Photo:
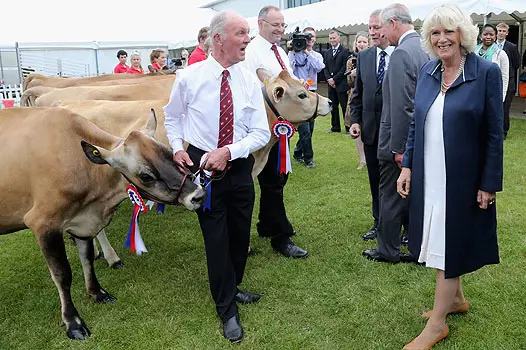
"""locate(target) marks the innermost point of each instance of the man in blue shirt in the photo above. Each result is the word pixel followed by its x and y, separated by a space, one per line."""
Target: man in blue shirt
pixel 306 65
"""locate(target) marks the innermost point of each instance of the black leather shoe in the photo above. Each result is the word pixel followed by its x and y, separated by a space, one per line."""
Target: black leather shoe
pixel 373 255
pixel 298 159
pixel 371 234
pixel 408 258
pixel 232 329
pixel 245 297
pixel 288 248
pixel 404 240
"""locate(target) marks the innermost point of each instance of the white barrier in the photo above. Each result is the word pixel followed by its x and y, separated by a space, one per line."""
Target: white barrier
pixel 10 93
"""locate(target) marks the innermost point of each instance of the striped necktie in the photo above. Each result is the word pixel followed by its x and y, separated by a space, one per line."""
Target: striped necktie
pixel 381 68
pixel 280 60
pixel 226 113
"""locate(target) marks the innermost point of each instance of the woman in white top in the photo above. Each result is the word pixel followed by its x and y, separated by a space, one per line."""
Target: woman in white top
pixel 489 50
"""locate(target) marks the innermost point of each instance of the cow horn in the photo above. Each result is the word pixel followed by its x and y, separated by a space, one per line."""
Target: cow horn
pixel 152 124
pixel 263 75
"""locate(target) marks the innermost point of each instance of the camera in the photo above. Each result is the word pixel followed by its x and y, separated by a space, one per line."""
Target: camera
pixel 299 40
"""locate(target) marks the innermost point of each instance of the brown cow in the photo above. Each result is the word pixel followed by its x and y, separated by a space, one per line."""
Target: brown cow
pixel 41 96
pixel 49 186
pixel 33 80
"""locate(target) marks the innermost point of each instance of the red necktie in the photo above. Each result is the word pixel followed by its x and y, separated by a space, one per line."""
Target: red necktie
pixel 226 113
pixel 281 63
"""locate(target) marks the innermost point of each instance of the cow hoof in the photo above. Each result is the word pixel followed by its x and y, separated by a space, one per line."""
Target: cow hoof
pixel 81 332
pixel 117 265
pixel 105 297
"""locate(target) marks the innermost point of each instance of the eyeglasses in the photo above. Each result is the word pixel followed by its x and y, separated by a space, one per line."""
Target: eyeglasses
pixel 277 25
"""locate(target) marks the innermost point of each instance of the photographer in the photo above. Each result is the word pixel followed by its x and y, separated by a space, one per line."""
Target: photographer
pixel 306 63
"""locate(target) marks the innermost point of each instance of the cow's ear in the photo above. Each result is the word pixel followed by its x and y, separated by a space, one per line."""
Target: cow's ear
pixel 263 75
pixel 152 124
pixel 278 93
pixel 96 155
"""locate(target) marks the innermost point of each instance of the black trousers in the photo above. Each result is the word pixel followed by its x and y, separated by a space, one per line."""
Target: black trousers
pixel 273 221
pixel 226 231
pixel 303 147
pixel 337 98
pixel 507 106
pixel 394 211
pixel 373 170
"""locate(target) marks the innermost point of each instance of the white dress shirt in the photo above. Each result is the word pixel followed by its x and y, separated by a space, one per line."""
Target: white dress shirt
pixel 260 55
pixel 389 51
pixel 192 114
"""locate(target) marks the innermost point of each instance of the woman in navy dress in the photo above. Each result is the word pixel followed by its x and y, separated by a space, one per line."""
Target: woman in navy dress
pixel 453 163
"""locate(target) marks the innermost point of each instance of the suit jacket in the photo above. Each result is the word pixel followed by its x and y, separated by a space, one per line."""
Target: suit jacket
pixel 398 93
pixel 366 100
pixel 335 67
pixel 515 60
pixel 472 134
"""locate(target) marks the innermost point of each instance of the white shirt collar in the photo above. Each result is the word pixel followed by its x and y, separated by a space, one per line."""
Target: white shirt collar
pixel 215 68
pixel 501 42
pixel 335 48
pixel 406 34
pixel 388 50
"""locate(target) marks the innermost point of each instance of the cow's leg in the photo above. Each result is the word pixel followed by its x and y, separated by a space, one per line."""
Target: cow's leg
pixel 109 253
pixel 96 253
pixel 52 246
pixel 92 284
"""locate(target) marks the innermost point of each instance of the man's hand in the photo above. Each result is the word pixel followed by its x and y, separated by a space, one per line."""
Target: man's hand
pixel 398 159
pixel 183 158
pixel 403 184
pixel 355 131
pixel 331 82
pixel 217 159
pixel 485 199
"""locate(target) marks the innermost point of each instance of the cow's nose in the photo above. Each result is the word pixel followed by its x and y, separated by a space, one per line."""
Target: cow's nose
pixel 199 197
pixel 330 103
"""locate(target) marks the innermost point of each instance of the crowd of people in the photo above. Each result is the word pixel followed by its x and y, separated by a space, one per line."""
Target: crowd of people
pixel 429 112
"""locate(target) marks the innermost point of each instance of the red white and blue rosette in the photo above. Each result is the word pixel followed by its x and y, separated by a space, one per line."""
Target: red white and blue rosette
pixel 134 240
pixel 283 130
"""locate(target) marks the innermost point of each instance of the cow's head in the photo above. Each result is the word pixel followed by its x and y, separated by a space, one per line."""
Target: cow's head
pixel 291 99
pixel 149 165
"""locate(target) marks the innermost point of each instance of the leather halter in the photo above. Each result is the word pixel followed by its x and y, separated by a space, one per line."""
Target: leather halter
pixel 275 111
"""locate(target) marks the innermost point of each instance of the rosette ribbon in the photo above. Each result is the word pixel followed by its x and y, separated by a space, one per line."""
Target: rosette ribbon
pixel 134 240
pixel 283 130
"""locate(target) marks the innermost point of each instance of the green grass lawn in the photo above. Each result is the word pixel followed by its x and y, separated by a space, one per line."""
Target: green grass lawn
pixel 335 299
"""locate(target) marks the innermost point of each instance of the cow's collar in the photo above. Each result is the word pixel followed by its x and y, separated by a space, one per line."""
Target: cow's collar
pixel 275 111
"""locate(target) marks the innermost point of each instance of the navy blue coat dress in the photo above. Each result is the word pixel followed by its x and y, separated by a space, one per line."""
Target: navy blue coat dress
pixel 473 135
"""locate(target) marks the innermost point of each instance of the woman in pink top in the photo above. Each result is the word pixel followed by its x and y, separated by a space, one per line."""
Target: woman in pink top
pixel 158 60
pixel 136 67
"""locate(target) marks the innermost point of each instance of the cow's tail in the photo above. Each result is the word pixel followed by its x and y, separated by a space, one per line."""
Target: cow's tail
pixel 30 95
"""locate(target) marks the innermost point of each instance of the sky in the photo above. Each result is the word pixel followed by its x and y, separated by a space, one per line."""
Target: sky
pixel 101 20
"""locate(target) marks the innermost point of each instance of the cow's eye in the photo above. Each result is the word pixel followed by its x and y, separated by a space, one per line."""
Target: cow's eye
pixel 302 95
pixel 146 177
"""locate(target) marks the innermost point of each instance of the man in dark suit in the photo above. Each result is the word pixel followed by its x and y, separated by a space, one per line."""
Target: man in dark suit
pixel 398 92
pixel 514 57
pixel 335 60
pixel 366 106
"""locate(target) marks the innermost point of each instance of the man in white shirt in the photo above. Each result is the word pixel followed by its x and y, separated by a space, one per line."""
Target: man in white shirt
pixel 264 52
pixel 217 107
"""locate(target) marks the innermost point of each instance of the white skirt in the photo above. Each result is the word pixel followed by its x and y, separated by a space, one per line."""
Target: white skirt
pixel 433 249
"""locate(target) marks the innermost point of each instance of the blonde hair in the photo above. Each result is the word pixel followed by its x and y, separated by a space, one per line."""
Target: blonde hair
pixel 450 16
pixel 360 34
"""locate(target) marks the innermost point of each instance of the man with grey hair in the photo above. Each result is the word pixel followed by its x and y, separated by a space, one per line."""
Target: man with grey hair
pixel 221 138
pixel 398 93
pixel 366 106
pixel 264 52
